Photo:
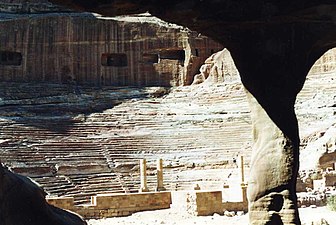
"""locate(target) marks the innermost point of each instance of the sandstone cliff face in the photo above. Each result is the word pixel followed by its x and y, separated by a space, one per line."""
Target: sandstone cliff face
pixel 138 51
pixel 33 6
pixel 219 67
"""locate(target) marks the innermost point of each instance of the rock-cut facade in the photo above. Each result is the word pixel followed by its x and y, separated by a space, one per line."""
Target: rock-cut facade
pixel 41 42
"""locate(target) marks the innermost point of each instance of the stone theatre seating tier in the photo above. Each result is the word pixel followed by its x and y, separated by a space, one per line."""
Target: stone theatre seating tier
pixel 94 144
pixel 98 152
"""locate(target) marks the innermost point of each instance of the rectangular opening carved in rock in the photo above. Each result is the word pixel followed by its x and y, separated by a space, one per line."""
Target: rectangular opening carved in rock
pixel 196 52
pixel 172 54
pixel 114 59
pixel 10 58
pixel 150 58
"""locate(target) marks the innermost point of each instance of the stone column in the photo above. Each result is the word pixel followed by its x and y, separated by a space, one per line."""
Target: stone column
pixel 159 170
pixel 240 163
pixel 244 193
pixel 143 176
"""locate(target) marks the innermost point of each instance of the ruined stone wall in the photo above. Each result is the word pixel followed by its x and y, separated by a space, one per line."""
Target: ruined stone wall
pixel 62 202
pixel 325 64
pixel 330 179
pixel 110 205
pixel 54 47
pixel 204 203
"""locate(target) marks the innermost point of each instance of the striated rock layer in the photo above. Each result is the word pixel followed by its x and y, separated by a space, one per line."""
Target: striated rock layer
pixel 64 47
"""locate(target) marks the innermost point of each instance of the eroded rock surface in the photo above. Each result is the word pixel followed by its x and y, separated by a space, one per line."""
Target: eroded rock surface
pixel 219 67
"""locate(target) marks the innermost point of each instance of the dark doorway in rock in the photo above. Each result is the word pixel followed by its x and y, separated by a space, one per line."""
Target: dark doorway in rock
pixel 114 59
pixel 196 52
pixel 172 54
pixel 10 58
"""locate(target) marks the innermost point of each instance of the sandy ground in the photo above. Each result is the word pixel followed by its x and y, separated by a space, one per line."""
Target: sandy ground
pixel 175 217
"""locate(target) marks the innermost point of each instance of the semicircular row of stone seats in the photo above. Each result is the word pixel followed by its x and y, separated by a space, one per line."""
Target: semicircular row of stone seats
pixel 315 107
pixel 99 152
pixel 82 154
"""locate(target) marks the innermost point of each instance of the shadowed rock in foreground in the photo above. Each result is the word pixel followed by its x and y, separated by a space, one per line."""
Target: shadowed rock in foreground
pixel 23 203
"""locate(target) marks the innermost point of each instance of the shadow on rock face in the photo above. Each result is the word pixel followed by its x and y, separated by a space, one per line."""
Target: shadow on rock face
pixel 22 202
